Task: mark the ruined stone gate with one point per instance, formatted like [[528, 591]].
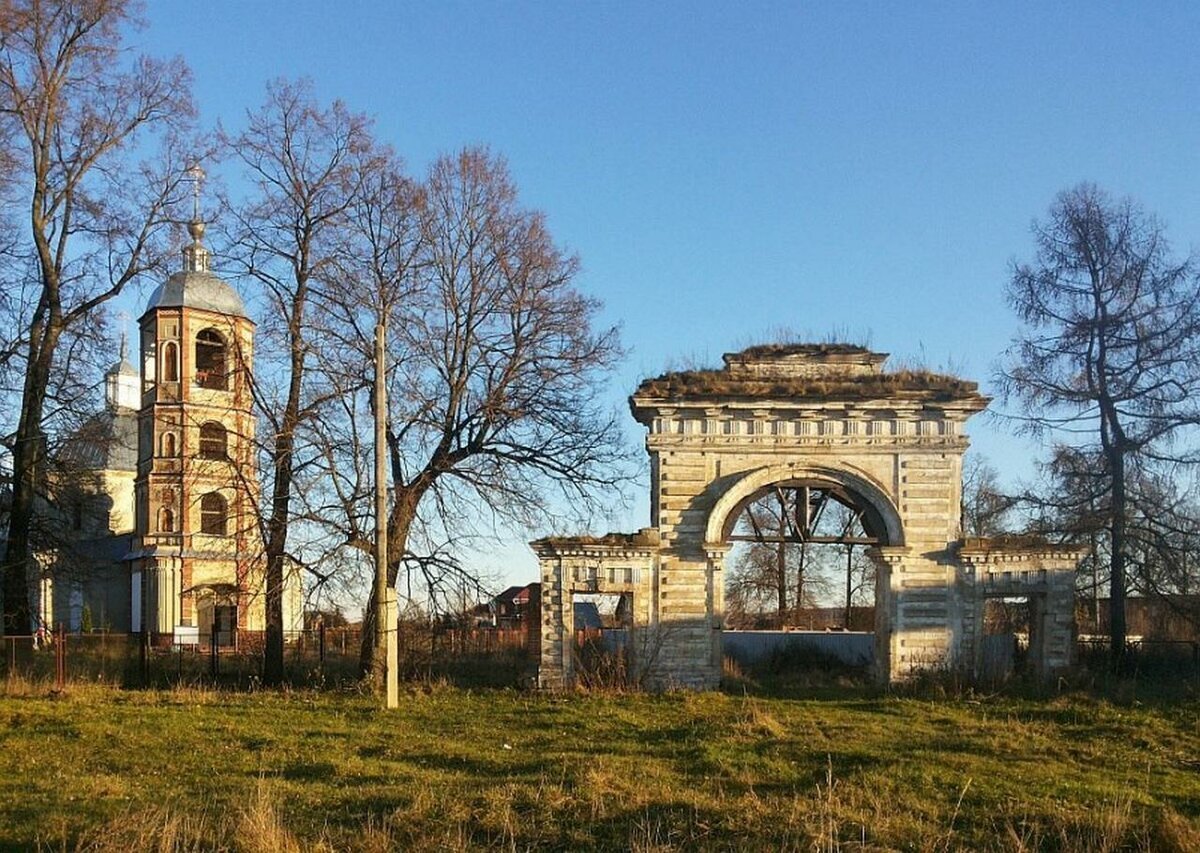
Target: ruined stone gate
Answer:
[[812, 424]]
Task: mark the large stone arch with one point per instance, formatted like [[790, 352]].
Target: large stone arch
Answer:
[[751, 482], [806, 415]]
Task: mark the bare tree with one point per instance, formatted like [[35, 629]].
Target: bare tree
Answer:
[[73, 109], [1108, 359], [985, 507], [306, 163], [496, 368]]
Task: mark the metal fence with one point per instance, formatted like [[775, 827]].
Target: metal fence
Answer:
[[748, 648], [1160, 660], [318, 657]]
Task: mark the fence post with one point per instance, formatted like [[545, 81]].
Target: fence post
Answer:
[[60, 658], [321, 642], [144, 654], [213, 653]]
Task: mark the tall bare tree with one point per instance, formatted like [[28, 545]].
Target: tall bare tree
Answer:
[[496, 368], [306, 163], [985, 507], [1108, 359], [74, 108]]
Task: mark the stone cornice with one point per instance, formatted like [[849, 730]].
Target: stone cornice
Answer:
[[641, 545], [646, 409], [887, 442]]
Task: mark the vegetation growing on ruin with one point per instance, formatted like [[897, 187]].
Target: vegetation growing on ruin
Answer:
[[909, 384]]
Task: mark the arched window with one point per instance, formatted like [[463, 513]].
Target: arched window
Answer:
[[166, 520], [170, 444], [170, 368], [213, 514], [210, 360], [213, 441], [149, 359]]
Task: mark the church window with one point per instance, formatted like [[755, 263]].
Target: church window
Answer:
[[170, 445], [170, 367], [149, 359], [210, 360], [213, 441], [166, 520], [213, 514]]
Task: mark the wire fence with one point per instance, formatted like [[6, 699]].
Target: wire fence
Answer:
[[319, 657]]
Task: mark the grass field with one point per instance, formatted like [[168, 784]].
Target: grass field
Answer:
[[105, 769]]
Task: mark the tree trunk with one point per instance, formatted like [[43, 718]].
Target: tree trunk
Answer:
[[781, 584], [28, 452], [800, 567], [849, 584], [1116, 594], [281, 497]]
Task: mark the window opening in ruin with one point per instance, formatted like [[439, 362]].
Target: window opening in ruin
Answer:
[[213, 440], [1005, 638], [166, 520], [799, 561], [213, 514], [603, 642], [169, 446], [210, 360]]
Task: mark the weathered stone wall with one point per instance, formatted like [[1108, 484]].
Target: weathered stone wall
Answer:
[[617, 564], [806, 415], [1043, 574]]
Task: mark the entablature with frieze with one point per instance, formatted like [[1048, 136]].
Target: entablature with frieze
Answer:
[[882, 420]]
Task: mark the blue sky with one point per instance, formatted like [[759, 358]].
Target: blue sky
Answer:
[[725, 170]]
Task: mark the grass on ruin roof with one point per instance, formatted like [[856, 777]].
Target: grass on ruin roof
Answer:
[[629, 540], [762, 350], [908, 384]]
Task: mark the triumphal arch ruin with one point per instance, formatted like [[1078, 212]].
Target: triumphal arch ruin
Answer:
[[805, 426]]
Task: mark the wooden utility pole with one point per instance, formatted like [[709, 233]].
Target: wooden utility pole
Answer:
[[386, 653]]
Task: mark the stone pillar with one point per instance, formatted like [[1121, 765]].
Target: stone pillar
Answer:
[[716, 605], [166, 579], [1058, 623], [557, 635], [682, 639], [886, 560], [922, 624]]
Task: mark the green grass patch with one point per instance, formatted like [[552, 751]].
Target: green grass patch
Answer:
[[103, 769]]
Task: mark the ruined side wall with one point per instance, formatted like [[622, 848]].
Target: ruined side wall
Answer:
[[1046, 576], [568, 569]]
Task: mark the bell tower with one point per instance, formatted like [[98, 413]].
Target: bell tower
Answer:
[[197, 553]]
